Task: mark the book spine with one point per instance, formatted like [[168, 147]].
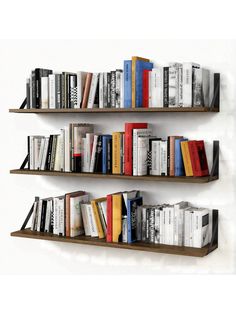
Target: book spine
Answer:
[[113, 89], [98, 156], [144, 224], [109, 155], [109, 90], [196, 167], [97, 220], [117, 87], [92, 163], [38, 74], [58, 91], [105, 103], [44, 92], [166, 87], [93, 89], [109, 218], [116, 156], [145, 102], [28, 93], [157, 226], [104, 154], [39, 215], [33, 88], [101, 92], [122, 89], [151, 225], [128, 84], [49, 153], [52, 102], [163, 158], [53, 155], [154, 88]]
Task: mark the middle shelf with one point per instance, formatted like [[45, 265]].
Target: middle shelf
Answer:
[[182, 179]]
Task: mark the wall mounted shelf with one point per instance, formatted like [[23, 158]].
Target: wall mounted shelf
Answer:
[[139, 246], [116, 176], [117, 110]]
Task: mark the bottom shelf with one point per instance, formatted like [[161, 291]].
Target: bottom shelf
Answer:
[[139, 246]]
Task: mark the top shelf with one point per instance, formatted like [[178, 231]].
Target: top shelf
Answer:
[[117, 110]]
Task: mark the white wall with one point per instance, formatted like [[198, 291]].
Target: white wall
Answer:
[[22, 256]]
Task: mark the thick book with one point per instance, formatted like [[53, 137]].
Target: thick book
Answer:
[[140, 67], [153, 157], [132, 209], [146, 90], [44, 93], [157, 87], [127, 83], [81, 78], [39, 73], [179, 210], [179, 165], [198, 158], [188, 73], [134, 60], [128, 145], [76, 222], [171, 155], [95, 207], [201, 88], [86, 90]]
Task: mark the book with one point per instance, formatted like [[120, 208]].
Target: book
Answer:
[[157, 87], [140, 67], [188, 73], [81, 78], [179, 165], [174, 84], [127, 83], [101, 92], [76, 222], [113, 89], [134, 60], [128, 145], [93, 153], [133, 205], [85, 217], [98, 155], [97, 219], [106, 153], [88, 151], [186, 159], [198, 158], [118, 81], [116, 152], [93, 89], [146, 90], [44, 93], [116, 217], [201, 87], [87, 90], [179, 214], [163, 158], [109, 218], [58, 103], [166, 86], [52, 91], [142, 148], [171, 155], [154, 153]]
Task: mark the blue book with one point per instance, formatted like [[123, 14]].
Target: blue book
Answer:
[[105, 139], [140, 66], [127, 83], [132, 214], [179, 165]]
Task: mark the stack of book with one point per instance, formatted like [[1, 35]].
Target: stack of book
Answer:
[[122, 217], [136, 151], [138, 84]]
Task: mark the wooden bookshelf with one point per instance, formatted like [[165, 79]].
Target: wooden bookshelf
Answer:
[[138, 246], [116, 176], [117, 110]]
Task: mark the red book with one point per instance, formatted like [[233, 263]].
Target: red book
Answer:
[[198, 158], [146, 88], [129, 145], [109, 218]]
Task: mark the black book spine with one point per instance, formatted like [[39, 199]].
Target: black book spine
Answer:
[[51, 220], [96, 99], [53, 155], [68, 91], [49, 153], [33, 84], [63, 101], [168, 156], [98, 156], [109, 155], [43, 216], [108, 90], [166, 86], [38, 74], [28, 145]]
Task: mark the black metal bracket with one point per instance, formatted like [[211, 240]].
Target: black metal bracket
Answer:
[[215, 102], [29, 214], [23, 104], [215, 224], [26, 160], [215, 166]]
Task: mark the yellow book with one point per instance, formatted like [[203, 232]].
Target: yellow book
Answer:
[[134, 59], [97, 219], [117, 145], [186, 159], [116, 216]]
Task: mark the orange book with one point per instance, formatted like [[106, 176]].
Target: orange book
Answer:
[[86, 90], [134, 59], [186, 159], [116, 217], [97, 219]]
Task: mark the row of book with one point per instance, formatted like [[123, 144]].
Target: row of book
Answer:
[[136, 151], [122, 217], [138, 84]]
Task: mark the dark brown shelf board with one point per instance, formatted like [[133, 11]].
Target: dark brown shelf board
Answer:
[[118, 110], [115, 176], [139, 246]]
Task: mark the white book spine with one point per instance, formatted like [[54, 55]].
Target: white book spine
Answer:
[[150, 89], [166, 225], [31, 149], [171, 225], [41, 152], [67, 149], [142, 155], [57, 164], [44, 92], [180, 85], [92, 91], [101, 101], [40, 205], [45, 150], [160, 86], [162, 229], [191, 229], [157, 226], [163, 158], [155, 164], [61, 215], [83, 154], [37, 144], [176, 225], [92, 222], [62, 151], [52, 91], [136, 133], [85, 218], [55, 216], [188, 83], [48, 216], [88, 151], [154, 88], [92, 162]]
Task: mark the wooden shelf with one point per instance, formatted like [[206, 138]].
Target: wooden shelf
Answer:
[[115, 176], [139, 246], [116, 110]]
